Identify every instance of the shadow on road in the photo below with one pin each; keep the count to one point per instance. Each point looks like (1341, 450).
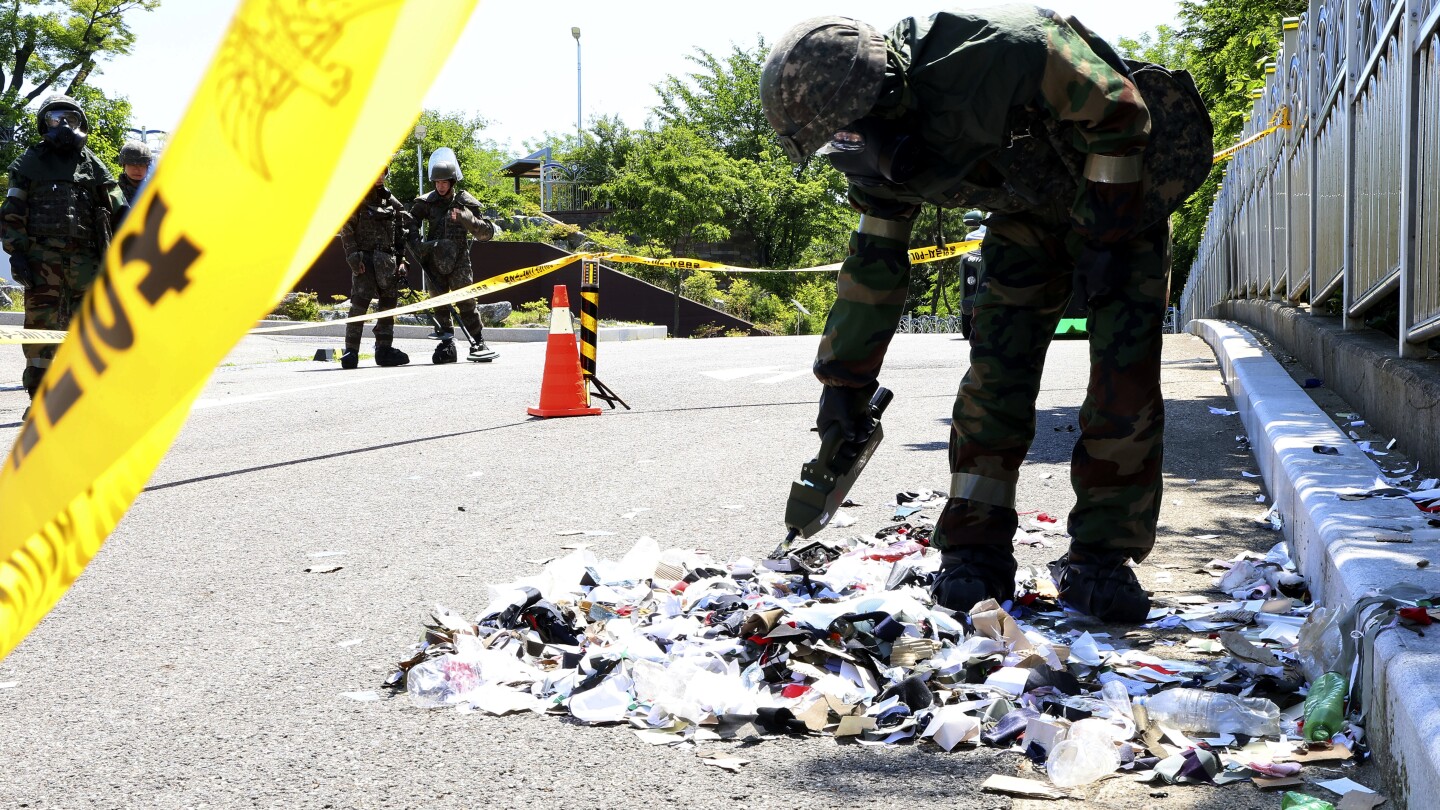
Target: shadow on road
(328, 456)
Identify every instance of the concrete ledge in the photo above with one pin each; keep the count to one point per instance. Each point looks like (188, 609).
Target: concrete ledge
(1399, 396)
(493, 334)
(1330, 541)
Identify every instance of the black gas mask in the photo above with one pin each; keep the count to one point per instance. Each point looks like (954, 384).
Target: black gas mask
(876, 152)
(65, 128)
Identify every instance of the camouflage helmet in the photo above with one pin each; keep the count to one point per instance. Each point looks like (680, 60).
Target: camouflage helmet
(135, 153)
(822, 74)
(57, 103)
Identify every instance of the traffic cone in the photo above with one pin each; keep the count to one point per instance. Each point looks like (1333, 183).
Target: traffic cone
(562, 391)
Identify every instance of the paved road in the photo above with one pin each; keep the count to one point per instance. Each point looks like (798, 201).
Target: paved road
(196, 663)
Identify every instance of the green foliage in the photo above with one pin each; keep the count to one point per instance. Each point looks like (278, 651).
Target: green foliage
(671, 187)
(700, 286)
(299, 306)
(1224, 44)
(109, 120)
(52, 46)
(480, 162)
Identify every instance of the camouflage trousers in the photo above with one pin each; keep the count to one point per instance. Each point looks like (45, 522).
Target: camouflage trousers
(374, 275)
(1115, 466)
(449, 269)
(61, 278)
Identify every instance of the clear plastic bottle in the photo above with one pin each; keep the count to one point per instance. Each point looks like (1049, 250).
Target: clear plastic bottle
(1086, 754)
(1198, 710)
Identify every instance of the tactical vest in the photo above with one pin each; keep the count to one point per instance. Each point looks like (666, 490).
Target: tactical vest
(63, 211)
(374, 226)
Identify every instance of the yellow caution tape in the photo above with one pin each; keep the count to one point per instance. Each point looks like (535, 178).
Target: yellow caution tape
(11, 335)
(506, 280)
(1282, 116)
(186, 276)
(489, 285)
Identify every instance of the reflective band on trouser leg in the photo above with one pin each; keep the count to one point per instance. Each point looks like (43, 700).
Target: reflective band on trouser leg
(991, 491)
(39, 362)
(884, 228)
(589, 315)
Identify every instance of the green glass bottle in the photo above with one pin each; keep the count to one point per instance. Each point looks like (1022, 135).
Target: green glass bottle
(1325, 707)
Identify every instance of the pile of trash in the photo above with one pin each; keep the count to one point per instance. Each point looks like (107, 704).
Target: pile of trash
(844, 641)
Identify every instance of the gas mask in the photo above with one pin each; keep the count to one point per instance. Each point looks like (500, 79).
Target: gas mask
(64, 128)
(876, 152)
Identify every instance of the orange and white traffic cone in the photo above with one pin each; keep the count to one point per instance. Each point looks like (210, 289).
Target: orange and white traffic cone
(562, 390)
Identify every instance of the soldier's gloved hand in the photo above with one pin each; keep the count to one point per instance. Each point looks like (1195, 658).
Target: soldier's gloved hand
(356, 262)
(1107, 213)
(20, 270)
(847, 407)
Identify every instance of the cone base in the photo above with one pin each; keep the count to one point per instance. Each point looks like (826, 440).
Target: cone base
(548, 413)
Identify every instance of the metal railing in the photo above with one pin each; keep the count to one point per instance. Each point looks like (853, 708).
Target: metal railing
(1348, 197)
(928, 324)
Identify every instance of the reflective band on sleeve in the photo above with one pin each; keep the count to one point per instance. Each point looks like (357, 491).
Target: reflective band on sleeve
(1110, 169)
(985, 490)
(884, 228)
(17, 193)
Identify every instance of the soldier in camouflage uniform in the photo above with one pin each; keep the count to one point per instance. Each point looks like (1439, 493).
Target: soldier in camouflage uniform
(1030, 117)
(135, 161)
(451, 218)
(56, 222)
(374, 239)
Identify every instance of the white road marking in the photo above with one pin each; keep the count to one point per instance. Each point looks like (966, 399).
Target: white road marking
(731, 374)
(248, 398)
(779, 378)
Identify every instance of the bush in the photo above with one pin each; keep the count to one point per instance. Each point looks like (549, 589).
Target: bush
(299, 306)
(708, 330)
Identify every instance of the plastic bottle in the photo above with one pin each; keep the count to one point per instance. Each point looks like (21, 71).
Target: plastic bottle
(1299, 801)
(1325, 707)
(1198, 710)
(1086, 754)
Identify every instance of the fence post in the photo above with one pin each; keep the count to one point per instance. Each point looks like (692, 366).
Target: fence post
(1354, 62)
(1409, 183)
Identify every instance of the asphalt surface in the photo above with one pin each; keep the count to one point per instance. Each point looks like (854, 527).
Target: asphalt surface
(198, 662)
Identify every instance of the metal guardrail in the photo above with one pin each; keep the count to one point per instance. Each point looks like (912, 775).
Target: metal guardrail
(928, 325)
(1348, 198)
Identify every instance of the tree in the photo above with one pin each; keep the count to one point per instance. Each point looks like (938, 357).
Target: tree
(51, 46)
(480, 161)
(671, 189)
(1224, 44)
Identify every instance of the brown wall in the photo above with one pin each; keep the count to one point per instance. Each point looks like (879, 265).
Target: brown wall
(622, 297)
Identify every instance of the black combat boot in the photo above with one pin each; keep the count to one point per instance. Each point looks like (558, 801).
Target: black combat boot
(444, 353)
(1100, 583)
(351, 358)
(390, 356)
(971, 574)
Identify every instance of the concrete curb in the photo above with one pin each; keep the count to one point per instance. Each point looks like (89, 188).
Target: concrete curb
(1330, 541)
(493, 334)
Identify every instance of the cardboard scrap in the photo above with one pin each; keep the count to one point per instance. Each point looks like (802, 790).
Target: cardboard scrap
(1277, 782)
(1334, 753)
(1359, 800)
(1028, 788)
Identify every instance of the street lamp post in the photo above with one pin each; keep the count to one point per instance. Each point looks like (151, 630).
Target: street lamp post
(420, 130)
(575, 32)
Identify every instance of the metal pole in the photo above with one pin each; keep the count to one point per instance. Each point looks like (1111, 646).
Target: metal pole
(420, 131)
(575, 32)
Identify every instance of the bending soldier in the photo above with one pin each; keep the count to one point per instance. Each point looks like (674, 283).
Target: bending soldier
(1030, 117)
(56, 222)
(135, 162)
(374, 239)
(451, 218)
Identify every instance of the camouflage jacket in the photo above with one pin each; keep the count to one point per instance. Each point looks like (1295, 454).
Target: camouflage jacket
(57, 199)
(1008, 102)
(433, 211)
(380, 222)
